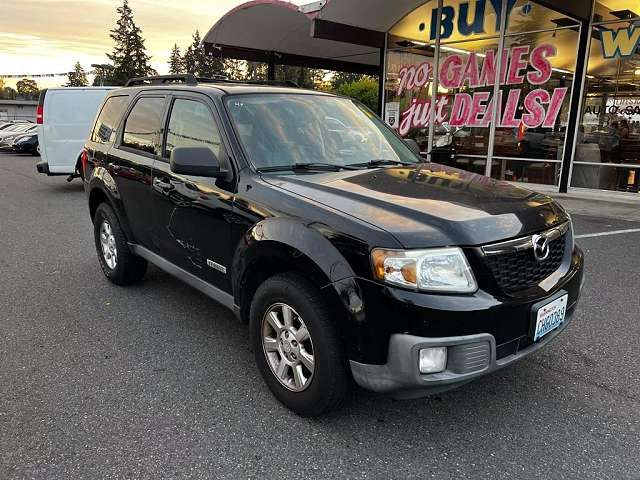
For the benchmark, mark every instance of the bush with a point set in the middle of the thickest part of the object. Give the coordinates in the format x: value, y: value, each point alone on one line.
x: 364, y: 90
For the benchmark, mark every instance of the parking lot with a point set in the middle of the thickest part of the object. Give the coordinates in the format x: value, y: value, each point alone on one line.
x: 157, y: 380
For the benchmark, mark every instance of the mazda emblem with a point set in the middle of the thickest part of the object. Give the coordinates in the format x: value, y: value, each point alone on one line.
x: 541, y: 248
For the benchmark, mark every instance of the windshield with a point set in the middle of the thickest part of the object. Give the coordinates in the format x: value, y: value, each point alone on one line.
x: 284, y: 129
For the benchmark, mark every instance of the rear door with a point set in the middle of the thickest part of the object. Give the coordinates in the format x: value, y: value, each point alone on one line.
x: 193, y: 214
x: 130, y: 162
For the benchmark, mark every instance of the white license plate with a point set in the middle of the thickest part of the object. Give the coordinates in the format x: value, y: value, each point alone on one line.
x: 550, y: 317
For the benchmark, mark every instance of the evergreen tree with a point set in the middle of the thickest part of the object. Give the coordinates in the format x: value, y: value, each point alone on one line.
x: 198, y: 63
x: 77, y: 78
x: 176, y: 62
x: 129, y: 56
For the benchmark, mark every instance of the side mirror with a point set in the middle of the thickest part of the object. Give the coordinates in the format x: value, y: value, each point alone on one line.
x: 413, y: 145
x: 196, y: 161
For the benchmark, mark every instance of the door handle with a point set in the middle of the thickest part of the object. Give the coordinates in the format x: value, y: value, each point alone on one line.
x: 163, y: 186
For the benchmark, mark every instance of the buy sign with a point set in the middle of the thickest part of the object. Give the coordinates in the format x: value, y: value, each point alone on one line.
x: 620, y: 43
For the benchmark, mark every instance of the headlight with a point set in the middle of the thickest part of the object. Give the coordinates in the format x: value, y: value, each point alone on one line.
x: 433, y: 270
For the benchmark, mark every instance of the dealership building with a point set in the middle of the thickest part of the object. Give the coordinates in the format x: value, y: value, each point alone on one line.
x: 566, y: 76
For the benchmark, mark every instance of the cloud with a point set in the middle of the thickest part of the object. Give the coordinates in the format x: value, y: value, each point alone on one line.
x: 42, y: 36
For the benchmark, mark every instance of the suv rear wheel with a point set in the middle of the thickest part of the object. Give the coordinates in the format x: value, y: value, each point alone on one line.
x: 297, y: 347
x: 118, y: 263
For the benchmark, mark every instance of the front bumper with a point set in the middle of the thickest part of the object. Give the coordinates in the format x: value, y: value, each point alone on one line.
x: 482, y: 332
x: 468, y: 357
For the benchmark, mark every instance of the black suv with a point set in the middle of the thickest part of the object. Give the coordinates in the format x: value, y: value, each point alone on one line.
x: 349, y: 257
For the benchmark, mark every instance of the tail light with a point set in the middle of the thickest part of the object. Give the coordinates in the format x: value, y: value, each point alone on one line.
x: 84, y: 158
x: 40, y: 115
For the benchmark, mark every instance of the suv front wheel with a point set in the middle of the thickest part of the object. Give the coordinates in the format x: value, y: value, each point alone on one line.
x: 297, y: 347
x: 118, y: 263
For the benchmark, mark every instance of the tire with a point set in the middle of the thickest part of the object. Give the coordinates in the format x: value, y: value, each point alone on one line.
x: 119, y: 264
x: 327, y: 384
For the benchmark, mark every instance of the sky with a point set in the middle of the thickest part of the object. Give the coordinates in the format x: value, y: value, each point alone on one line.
x: 49, y: 36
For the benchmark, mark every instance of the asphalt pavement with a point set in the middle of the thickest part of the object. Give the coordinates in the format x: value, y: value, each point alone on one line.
x: 157, y: 381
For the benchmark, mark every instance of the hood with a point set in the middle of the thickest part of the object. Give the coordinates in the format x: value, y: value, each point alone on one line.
x: 429, y: 205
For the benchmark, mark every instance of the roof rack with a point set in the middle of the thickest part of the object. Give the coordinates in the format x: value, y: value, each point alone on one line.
x: 162, y: 79
x: 189, y: 79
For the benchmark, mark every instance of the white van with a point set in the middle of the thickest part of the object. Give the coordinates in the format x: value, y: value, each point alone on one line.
x: 64, y: 117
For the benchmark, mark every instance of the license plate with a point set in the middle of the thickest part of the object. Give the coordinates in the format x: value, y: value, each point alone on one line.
x: 550, y: 317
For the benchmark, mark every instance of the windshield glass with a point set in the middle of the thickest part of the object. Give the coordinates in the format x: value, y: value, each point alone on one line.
x: 283, y: 129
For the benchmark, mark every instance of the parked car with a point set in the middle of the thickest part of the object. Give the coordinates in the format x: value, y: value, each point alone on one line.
x: 16, y: 129
x: 347, y: 255
x: 65, y: 117
x: 27, y: 143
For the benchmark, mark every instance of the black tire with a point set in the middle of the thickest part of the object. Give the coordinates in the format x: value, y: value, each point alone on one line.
x: 331, y: 380
x: 128, y: 268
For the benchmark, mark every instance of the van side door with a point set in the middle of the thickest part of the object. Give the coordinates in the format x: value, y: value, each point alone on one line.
x: 192, y: 213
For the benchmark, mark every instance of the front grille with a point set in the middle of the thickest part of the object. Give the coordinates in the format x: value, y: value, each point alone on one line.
x: 518, y: 270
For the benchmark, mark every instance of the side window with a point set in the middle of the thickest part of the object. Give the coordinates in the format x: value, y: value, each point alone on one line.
x: 105, y: 127
x: 192, y: 125
x: 143, y: 125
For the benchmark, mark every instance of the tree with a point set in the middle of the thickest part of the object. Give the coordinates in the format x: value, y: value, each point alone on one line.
x: 77, y: 78
x: 129, y: 56
x: 8, y: 93
x: 235, y: 69
x: 304, y: 77
x: 365, y: 90
x: 340, y: 78
x: 176, y: 62
x: 256, y: 71
x: 27, y: 88
x: 198, y: 63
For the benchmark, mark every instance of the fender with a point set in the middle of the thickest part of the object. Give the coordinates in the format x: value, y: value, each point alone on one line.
x: 102, y: 180
x: 264, y: 238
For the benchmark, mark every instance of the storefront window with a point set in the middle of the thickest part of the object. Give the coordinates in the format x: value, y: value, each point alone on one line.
x: 528, y: 16
x: 466, y: 82
x: 536, y: 79
x: 608, y: 144
x: 409, y: 89
x: 534, y: 106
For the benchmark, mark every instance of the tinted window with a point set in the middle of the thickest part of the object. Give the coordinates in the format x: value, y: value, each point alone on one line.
x: 192, y: 125
x: 143, y: 125
x: 108, y: 119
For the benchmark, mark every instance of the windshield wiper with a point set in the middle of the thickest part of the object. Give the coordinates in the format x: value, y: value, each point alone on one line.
x: 307, y: 167
x: 381, y: 163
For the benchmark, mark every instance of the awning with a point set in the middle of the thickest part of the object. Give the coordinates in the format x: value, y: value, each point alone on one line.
x: 345, y: 35
x: 279, y: 31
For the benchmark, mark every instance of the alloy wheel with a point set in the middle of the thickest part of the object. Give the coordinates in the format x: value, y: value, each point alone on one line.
x: 287, y: 346
x: 108, y: 245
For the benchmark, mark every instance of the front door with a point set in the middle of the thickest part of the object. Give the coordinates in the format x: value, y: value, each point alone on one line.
x: 192, y: 214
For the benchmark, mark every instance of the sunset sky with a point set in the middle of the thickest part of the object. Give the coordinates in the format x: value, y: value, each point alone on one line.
x: 49, y: 36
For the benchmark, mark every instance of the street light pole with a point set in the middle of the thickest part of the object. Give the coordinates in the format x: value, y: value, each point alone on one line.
x: 101, y: 68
